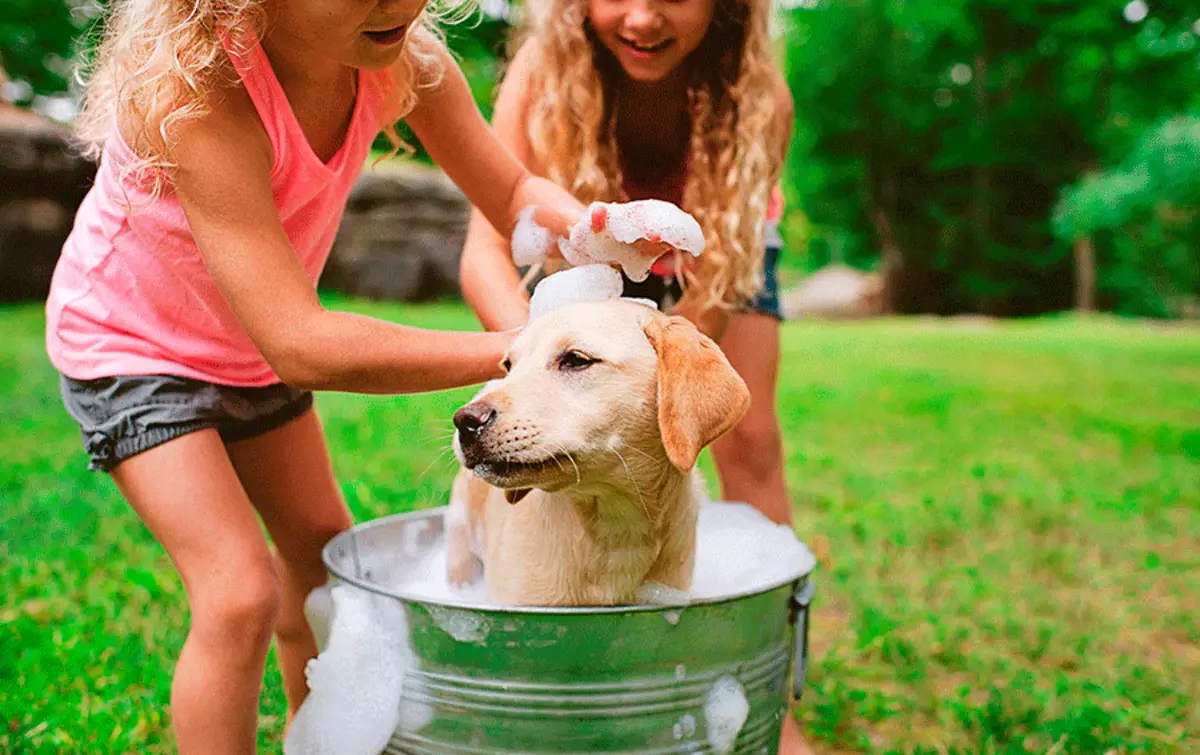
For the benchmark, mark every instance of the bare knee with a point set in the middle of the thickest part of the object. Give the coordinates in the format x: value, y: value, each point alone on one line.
x: 238, y: 608
x: 298, y: 554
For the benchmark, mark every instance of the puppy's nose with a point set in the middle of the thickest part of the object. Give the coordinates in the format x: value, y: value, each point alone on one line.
x: 471, y: 420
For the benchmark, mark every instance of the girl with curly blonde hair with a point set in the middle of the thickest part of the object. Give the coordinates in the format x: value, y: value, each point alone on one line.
x: 183, y: 314
x: 619, y: 100
x: 678, y: 100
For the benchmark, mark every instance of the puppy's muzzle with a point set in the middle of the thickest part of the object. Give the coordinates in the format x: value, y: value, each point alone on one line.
x: 471, y: 421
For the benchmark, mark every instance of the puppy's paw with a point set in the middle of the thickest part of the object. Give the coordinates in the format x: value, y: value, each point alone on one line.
x: 463, y: 569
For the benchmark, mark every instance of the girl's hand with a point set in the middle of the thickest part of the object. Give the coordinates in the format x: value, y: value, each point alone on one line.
x: 652, y: 247
x: 554, y: 208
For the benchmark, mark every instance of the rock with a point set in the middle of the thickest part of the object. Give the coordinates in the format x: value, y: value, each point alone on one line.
x: 43, y: 179
x: 836, y: 291
x: 401, y: 236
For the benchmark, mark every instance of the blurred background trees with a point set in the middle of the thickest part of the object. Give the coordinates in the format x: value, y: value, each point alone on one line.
x: 1008, y: 157
x: 937, y: 138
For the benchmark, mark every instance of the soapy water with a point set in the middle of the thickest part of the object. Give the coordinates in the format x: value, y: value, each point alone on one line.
x: 359, y: 678
x: 738, y: 551
x: 615, y: 239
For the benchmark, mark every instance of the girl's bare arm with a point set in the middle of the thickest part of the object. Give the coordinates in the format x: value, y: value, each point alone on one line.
x: 223, y: 183
x: 489, y: 279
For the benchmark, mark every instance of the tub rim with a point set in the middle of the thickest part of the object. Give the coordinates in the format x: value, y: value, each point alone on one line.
x: 800, y: 582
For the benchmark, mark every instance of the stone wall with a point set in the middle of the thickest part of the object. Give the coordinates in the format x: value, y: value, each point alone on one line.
x: 42, y: 181
x: 835, y: 291
x: 401, y: 236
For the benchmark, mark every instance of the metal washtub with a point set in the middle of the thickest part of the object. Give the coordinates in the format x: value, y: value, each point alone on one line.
x: 629, y: 679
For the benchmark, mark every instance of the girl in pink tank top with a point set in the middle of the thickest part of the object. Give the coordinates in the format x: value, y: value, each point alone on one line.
x: 184, y: 317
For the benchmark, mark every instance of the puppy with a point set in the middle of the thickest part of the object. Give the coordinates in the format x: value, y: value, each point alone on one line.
x: 578, y: 481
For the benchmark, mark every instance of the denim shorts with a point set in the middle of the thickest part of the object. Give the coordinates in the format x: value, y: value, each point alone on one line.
x: 665, y: 292
x: 123, y: 416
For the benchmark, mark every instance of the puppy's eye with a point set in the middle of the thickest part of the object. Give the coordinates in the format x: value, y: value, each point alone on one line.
x: 574, y: 361
x: 506, y: 365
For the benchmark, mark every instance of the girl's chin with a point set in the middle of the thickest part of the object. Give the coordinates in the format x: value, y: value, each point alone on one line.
x: 647, y: 73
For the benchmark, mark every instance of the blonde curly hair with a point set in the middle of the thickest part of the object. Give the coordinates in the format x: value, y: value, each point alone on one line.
x: 160, y: 59
x: 737, y: 140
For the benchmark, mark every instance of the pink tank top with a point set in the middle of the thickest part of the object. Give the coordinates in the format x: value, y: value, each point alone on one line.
x: 131, y: 294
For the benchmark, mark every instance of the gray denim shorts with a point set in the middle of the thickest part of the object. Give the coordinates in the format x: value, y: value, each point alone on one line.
x: 123, y: 416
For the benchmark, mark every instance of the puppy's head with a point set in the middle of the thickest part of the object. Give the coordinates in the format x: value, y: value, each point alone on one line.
x: 599, y: 393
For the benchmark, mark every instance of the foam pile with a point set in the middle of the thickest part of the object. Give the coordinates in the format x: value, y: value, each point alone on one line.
x: 739, y: 550
x: 574, y: 286
x: 357, y: 681
x: 725, y: 712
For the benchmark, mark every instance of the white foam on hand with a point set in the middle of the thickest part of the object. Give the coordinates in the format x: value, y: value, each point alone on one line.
x: 630, y: 234
x: 530, y: 241
x: 625, y: 224
x: 573, y: 286
x: 356, y: 683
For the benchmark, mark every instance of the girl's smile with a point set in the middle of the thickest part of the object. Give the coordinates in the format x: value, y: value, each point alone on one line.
x: 387, y: 37
x: 650, y: 38
x: 645, y: 51
x: 363, y: 34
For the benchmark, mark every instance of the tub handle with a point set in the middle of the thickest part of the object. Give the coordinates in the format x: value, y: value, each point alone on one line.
x: 801, y: 599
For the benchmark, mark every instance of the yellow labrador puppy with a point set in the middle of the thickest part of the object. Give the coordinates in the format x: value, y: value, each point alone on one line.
x: 577, y: 484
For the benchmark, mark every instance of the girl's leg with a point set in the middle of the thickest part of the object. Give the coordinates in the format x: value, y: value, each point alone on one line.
x: 289, y: 477
x: 188, y: 494
x: 791, y: 742
x: 750, y: 457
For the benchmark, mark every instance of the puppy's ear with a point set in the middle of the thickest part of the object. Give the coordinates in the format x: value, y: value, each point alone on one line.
x: 700, y: 395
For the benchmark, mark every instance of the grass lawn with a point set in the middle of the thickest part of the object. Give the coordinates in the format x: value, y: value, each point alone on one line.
x: 1008, y: 519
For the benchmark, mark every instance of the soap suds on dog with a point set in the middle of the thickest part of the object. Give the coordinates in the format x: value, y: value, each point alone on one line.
x: 574, y: 286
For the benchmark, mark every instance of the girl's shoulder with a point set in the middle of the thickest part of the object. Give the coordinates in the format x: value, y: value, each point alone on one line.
x: 783, y: 96
x: 226, y: 116
x: 521, y: 67
x: 785, y: 109
x: 514, y: 103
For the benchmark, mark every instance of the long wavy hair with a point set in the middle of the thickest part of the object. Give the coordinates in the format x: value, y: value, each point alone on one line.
x: 159, y: 60
x: 736, y: 146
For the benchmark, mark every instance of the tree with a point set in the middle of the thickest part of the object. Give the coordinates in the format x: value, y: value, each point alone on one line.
x: 1143, y: 219
x: 37, y: 43
x: 935, y: 137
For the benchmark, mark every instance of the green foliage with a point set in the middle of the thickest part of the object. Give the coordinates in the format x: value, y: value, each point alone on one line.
x: 1143, y: 219
x: 37, y: 41
x: 1007, y: 519
x: 479, y: 44
x: 946, y: 130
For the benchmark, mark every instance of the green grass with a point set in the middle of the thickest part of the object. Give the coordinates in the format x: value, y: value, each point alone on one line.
x: 1008, y: 519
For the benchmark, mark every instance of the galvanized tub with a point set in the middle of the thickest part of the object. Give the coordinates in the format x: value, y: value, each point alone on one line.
x: 628, y: 679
